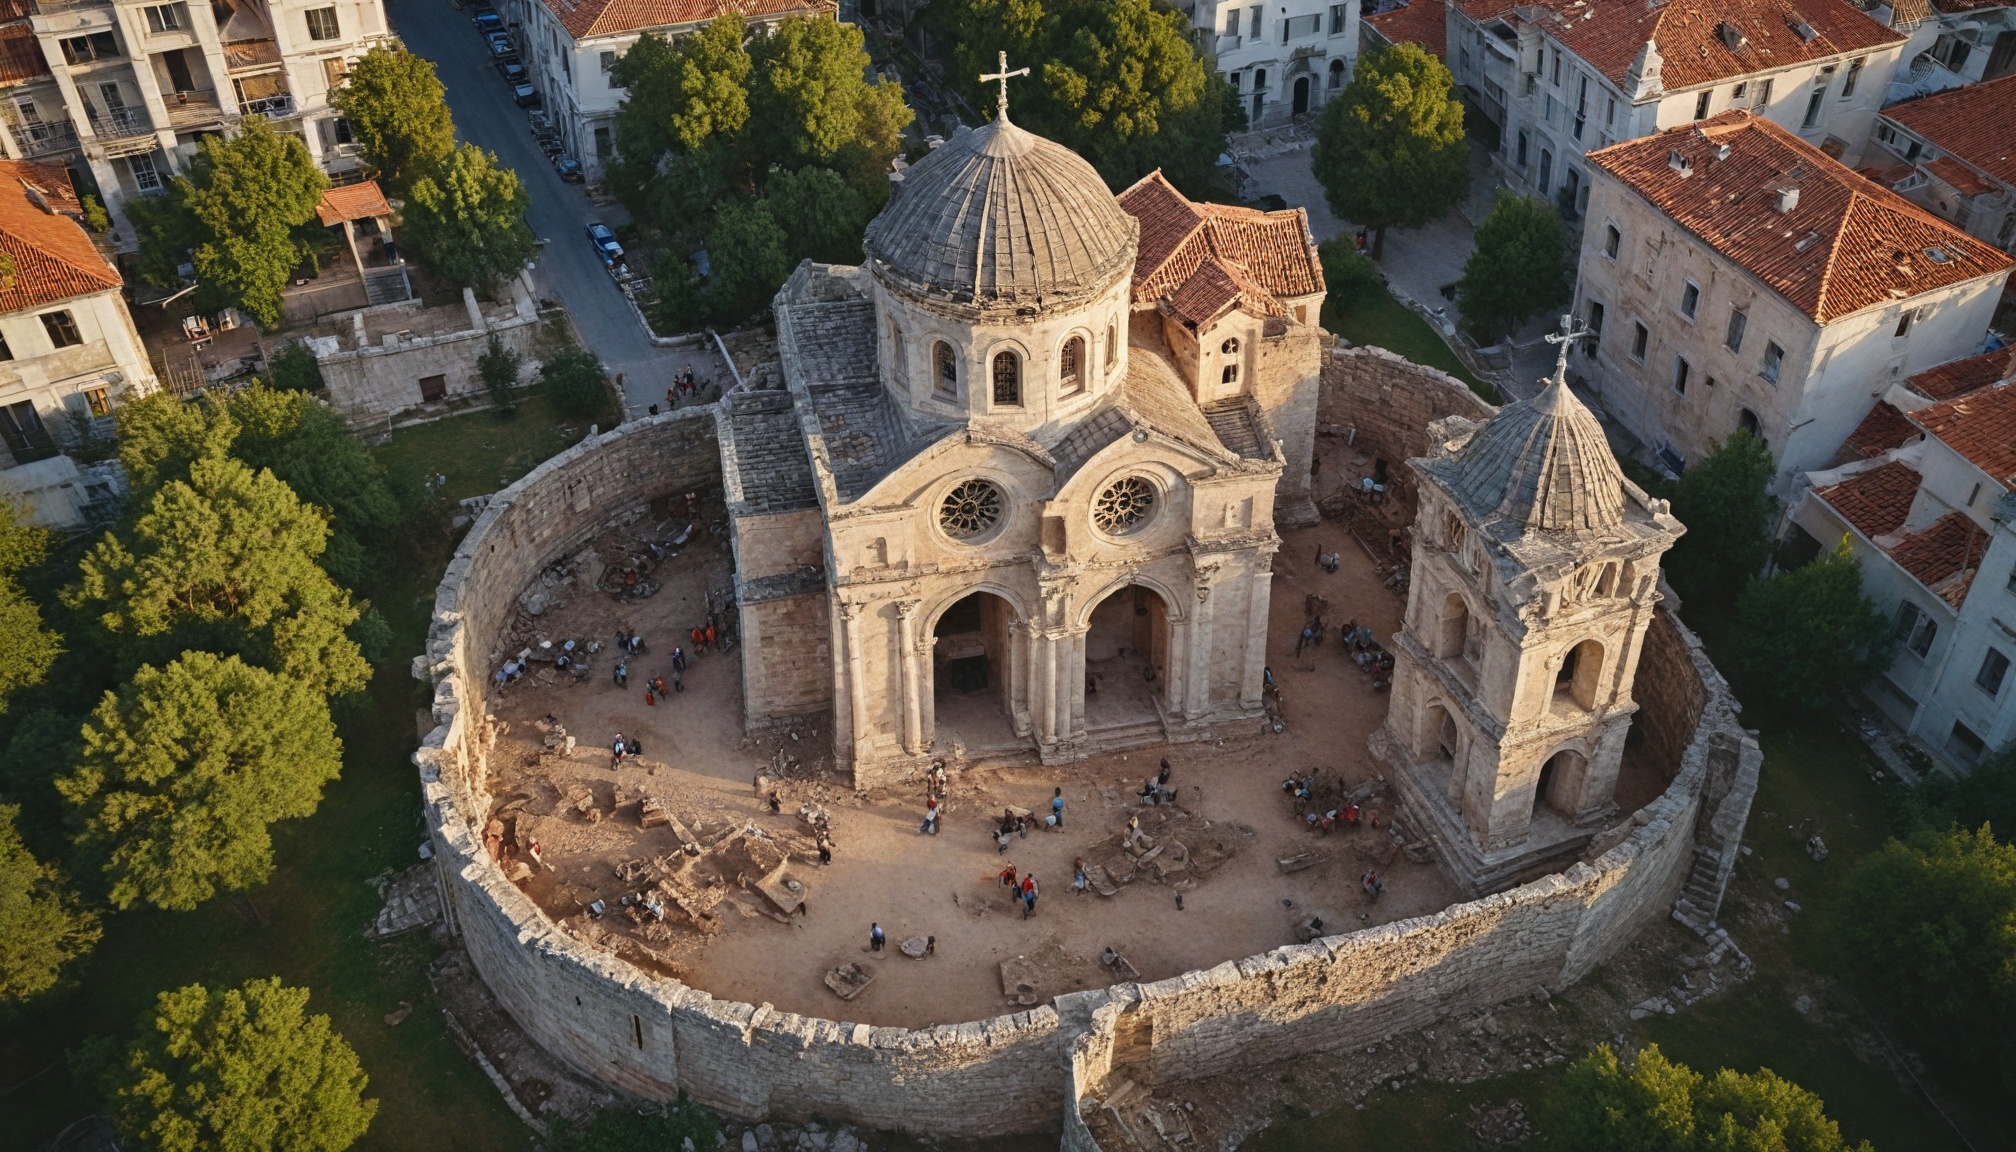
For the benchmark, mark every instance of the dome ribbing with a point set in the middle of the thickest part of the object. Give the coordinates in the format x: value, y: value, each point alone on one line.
x: 1543, y: 463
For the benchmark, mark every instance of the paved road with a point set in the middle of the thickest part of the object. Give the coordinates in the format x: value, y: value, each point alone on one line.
x: 568, y: 268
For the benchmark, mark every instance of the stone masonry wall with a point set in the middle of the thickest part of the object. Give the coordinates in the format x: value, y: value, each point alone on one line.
x: 1667, y: 718
x: 1391, y: 401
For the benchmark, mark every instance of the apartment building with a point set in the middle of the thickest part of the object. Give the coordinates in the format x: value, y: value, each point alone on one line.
x: 120, y: 91
x: 1738, y: 277
x: 1953, y: 42
x: 1923, y: 495
x: 571, y: 46
x: 1283, y: 59
x: 1563, y: 78
x: 1955, y: 153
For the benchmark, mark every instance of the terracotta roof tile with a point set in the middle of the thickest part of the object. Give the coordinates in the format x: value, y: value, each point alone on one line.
x: 53, y: 257
x: 1960, y: 177
x: 1957, y: 376
x: 1610, y: 33
x: 357, y: 201
x: 1968, y: 5
x: 1423, y: 22
x: 21, y: 56
x: 1979, y: 425
x: 1883, y: 429
x: 1875, y: 502
x: 1944, y: 555
x: 1267, y: 255
x: 1847, y: 244
x: 1215, y: 288
x: 585, y: 19
x: 1972, y: 123
x: 1889, y: 177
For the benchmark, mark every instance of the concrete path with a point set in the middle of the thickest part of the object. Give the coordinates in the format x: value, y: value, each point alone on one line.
x: 567, y: 269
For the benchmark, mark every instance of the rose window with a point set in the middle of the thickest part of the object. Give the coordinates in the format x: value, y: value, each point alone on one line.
x: 969, y: 510
x: 1124, y: 506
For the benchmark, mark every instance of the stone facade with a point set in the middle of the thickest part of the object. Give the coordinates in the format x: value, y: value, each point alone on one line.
x: 419, y: 356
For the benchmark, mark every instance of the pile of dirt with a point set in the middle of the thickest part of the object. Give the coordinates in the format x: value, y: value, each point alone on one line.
x: 1164, y: 844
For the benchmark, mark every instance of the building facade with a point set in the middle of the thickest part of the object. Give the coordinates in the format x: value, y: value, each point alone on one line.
x: 120, y: 92
x: 1019, y: 487
x: 1738, y: 278
x: 1951, y: 152
x: 570, y: 49
x: 1953, y: 42
x: 1284, y: 60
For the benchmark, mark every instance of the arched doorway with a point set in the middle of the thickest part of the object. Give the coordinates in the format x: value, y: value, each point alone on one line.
x: 1581, y: 673
x: 1301, y: 95
x: 1127, y: 659
x: 1559, y: 778
x: 972, y: 673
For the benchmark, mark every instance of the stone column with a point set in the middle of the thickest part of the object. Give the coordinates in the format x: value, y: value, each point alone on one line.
x: 927, y: 687
x: 1197, y: 689
x: 1045, y: 653
x: 1018, y: 677
x: 1073, y: 702
x: 857, y: 700
x: 906, y: 654
x: 1259, y: 597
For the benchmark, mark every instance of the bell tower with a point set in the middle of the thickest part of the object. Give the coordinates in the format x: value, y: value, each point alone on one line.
x: 1535, y: 574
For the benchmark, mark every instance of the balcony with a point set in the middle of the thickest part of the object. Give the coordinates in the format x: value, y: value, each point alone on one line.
x: 1227, y: 42
x: 123, y: 131
x: 45, y: 139
x: 193, y: 108
x: 276, y: 107
x: 244, y: 54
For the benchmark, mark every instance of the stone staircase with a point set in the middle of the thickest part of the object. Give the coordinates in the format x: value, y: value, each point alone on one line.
x: 387, y: 285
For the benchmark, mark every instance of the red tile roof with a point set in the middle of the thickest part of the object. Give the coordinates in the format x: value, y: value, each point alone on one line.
x: 1968, y: 5
x: 585, y: 19
x: 1972, y: 123
x: 1610, y: 33
x: 1239, y: 253
x: 1423, y: 22
x: 21, y: 56
x: 1944, y: 555
x: 1959, y: 177
x: 53, y: 257
x: 358, y: 201
x: 1847, y: 244
x: 1979, y: 425
x: 1957, y: 376
x: 1883, y: 429
x: 1875, y: 502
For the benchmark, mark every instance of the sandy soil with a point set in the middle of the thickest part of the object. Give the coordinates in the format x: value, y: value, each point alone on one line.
x: 698, y: 762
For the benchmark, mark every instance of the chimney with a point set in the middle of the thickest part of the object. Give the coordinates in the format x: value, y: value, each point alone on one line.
x: 1679, y: 162
x: 1722, y: 151
x: 1788, y: 199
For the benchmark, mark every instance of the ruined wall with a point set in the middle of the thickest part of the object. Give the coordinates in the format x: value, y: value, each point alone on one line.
x: 1390, y: 400
x: 1667, y: 716
x: 370, y: 381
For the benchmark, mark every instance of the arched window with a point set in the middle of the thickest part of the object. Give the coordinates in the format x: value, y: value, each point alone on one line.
x: 1071, y: 367
x: 896, y: 353
x: 1230, y: 375
x: 1007, y: 378
x: 1230, y: 347
x: 1336, y: 73
x: 1112, y: 343
x: 1580, y: 675
x: 947, y: 383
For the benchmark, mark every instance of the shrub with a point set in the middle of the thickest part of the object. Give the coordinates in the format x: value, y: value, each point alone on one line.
x: 575, y: 383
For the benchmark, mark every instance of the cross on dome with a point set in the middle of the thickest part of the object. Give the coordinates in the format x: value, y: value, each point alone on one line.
x: 1570, y: 332
x: 1004, y: 75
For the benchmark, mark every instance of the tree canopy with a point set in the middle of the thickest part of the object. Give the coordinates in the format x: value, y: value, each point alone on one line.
x: 466, y: 220
x: 182, y: 773
x: 42, y: 926
x: 1726, y: 503
x: 398, y: 114
x: 245, y: 1069
x: 1652, y: 1104
x: 574, y: 382
x: 810, y: 101
x: 1518, y: 270
x: 1804, y: 637
x: 31, y: 648
x: 1390, y: 151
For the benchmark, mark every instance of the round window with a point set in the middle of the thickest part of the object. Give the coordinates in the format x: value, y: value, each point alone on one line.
x: 971, y: 509
x: 1124, y: 506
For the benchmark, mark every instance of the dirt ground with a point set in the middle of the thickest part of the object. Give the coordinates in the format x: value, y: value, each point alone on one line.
x: 721, y: 933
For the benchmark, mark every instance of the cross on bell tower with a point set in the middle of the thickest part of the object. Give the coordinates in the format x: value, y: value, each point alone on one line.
x: 1004, y: 75
x: 1570, y: 332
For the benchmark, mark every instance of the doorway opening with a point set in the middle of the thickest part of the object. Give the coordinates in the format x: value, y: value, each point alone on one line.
x: 1301, y: 95
x: 1558, y: 779
x: 1127, y: 659
x: 971, y: 671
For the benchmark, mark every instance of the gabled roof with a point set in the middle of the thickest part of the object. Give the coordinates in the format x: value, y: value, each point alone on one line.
x: 1199, y: 260
x: 53, y: 257
x: 1876, y: 502
x: 1760, y: 35
x: 1954, y: 377
x: 1944, y: 555
x: 1980, y: 426
x: 586, y: 19
x: 1885, y: 427
x: 1423, y: 22
x: 1845, y: 245
x: 1968, y: 5
x: 357, y: 201
x: 1972, y: 123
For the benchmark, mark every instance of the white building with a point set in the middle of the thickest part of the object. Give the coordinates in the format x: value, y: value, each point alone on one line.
x: 68, y: 350
x: 1561, y: 79
x: 120, y: 91
x: 1925, y: 503
x: 1953, y: 42
x: 1283, y: 59
x: 1739, y: 278
x: 1952, y: 153
x: 571, y: 46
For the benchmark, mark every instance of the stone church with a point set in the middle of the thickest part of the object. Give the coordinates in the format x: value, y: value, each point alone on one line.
x: 1018, y: 488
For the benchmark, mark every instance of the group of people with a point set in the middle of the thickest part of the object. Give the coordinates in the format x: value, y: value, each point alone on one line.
x: 1156, y: 789
x: 1022, y: 887
x: 684, y: 384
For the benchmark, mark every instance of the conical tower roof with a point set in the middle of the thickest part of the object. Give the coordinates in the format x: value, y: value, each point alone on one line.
x: 1543, y: 463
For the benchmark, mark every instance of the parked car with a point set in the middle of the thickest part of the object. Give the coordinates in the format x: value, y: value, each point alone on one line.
x: 605, y: 243
x: 487, y: 20
x: 502, y: 47
x: 569, y: 169
x: 513, y: 72
x: 526, y: 95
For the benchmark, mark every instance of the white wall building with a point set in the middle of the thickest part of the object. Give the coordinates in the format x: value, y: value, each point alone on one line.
x: 1739, y: 278
x: 1284, y: 59
x: 121, y: 91
x: 1951, y: 152
x: 1953, y: 42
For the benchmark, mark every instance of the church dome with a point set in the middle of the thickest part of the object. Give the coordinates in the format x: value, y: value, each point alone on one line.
x: 998, y: 215
x: 1543, y: 463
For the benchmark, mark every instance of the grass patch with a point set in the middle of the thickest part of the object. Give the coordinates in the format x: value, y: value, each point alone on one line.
x: 1376, y: 318
x: 481, y: 452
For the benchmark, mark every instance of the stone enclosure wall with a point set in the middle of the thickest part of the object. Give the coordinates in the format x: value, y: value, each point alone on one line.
x: 654, y: 1037
x: 1390, y: 401
x: 369, y: 381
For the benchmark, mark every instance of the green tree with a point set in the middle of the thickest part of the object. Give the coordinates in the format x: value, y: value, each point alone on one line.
x: 1927, y: 929
x: 42, y: 925
x: 466, y: 222
x: 160, y: 435
x: 1726, y: 503
x: 95, y: 217
x: 1389, y: 149
x: 1986, y: 795
x: 1655, y: 1105
x: 680, y: 304
x: 809, y: 100
x: 226, y: 560
x: 246, y: 1069
x: 575, y: 383
x: 1348, y: 277
x: 295, y: 369
x: 31, y: 648
x: 749, y: 257
x: 498, y: 368
x: 1805, y: 637
x: 243, y: 197
x: 1518, y: 270
x: 823, y: 215
x: 398, y: 114
x: 181, y: 775
x: 686, y: 94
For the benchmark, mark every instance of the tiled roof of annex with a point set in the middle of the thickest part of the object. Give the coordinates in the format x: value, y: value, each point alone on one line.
x: 1971, y: 123
x: 1423, y: 22
x: 586, y: 19
x: 1945, y: 381
x: 1875, y: 502
x: 1885, y: 427
x: 1845, y: 243
x: 1980, y: 426
x: 1202, y: 259
x: 53, y: 257
x: 1763, y: 36
x: 1944, y: 555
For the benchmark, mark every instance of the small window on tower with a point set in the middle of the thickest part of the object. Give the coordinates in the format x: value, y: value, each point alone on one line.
x: 1230, y: 347
x: 1007, y: 379
x: 1071, y: 367
x: 947, y: 383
